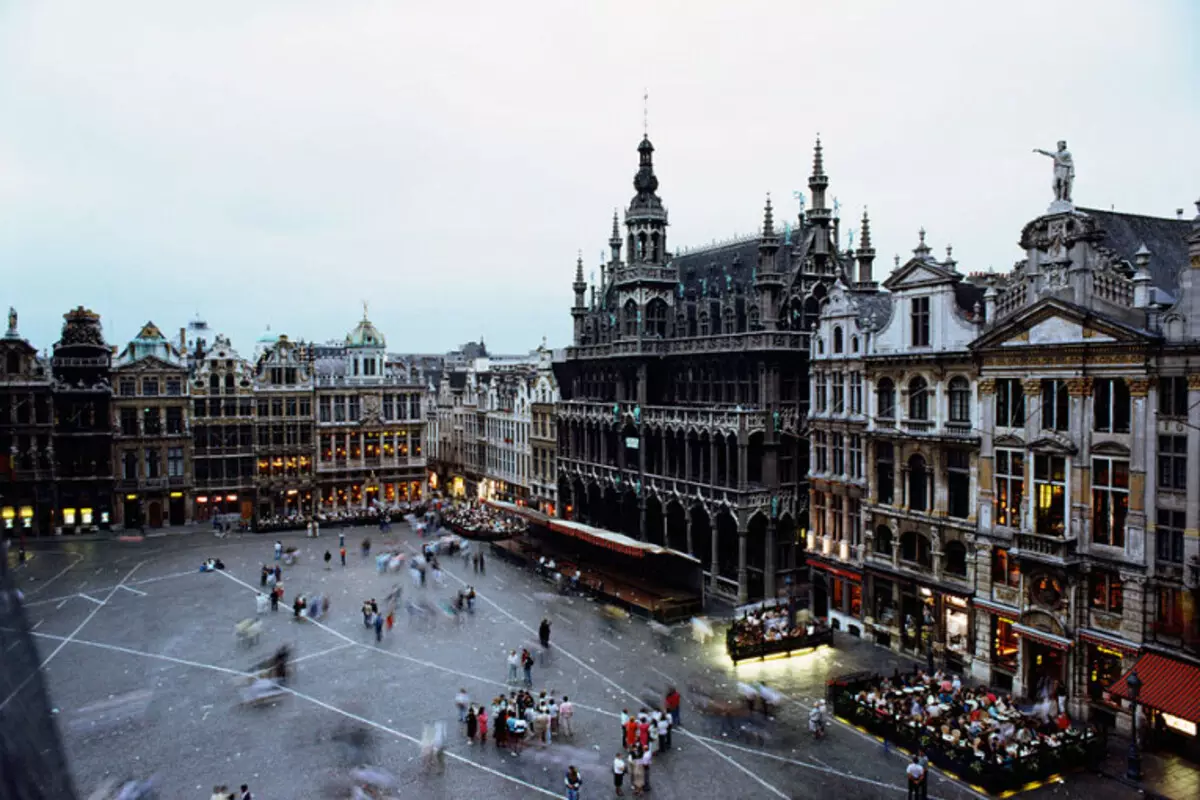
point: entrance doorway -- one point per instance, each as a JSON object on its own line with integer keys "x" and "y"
{"x": 133, "y": 514}
{"x": 177, "y": 514}
{"x": 155, "y": 514}
{"x": 820, "y": 594}
{"x": 1045, "y": 667}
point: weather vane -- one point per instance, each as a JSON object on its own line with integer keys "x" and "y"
{"x": 646, "y": 113}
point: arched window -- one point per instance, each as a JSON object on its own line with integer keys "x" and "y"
{"x": 656, "y": 318}
{"x": 214, "y": 383}
{"x": 918, "y": 399}
{"x": 883, "y": 540}
{"x": 914, "y": 548}
{"x": 960, "y": 400}
{"x": 853, "y": 344}
{"x": 820, "y": 346}
{"x": 885, "y": 395}
{"x": 956, "y": 558}
{"x": 630, "y": 315}
{"x": 753, "y": 315}
{"x": 837, "y": 338}
{"x": 918, "y": 483}
{"x": 641, "y": 246}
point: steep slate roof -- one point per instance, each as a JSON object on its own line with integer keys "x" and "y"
{"x": 874, "y": 309}
{"x": 1166, "y": 239}
{"x": 967, "y": 294}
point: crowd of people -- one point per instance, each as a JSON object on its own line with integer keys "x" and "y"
{"x": 480, "y": 519}
{"x": 773, "y": 624}
{"x": 970, "y": 723}
{"x": 643, "y": 736}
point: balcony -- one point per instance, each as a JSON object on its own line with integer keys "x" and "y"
{"x": 1047, "y": 549}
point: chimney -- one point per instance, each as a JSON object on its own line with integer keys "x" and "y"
{"x": 1141, "y": 279}
{"x": 183, "y": 340}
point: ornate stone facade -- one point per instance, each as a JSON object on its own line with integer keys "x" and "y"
{"x": 283, "y": 431}
{"x": 27, "y": 503}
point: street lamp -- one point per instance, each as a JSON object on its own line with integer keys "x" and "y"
{"x": 1134, "y": 770}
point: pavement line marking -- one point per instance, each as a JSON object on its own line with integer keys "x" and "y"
{"x": 526, "y": 596}
{"x": 63, "y": 603}
{"x": 67, "y": 640}
{"x": 131, "y": 589}
{"x": 308, "y": 698}
{"x": 567, "y": 620}
{"x": 774, "y": 790}
{"x": 610, "y": 644}
{"x": 99, "y": 602}
{"x": 106, "y": 588}
{"x": 320, "y": 653}
{"x": 64, "y": 571}
{"x": 665, "y": 675}
{"x": 37, "y": 625}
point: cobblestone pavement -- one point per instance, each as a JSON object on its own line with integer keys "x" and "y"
{"x": 136, "y": 622}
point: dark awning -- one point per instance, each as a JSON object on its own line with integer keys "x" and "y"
{"x": 1168, "y": 685}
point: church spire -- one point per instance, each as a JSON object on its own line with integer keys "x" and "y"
{"x": 768, "y": 230}
{"x": 580, "y": 308}
{"x": 866, "y": 254}
{"x": 614, "y": 239}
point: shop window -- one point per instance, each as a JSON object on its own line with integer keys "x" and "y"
{"x": 1010, "y": 487}
{"x": 1005, "y": 644}
{"x": 1111, "y": 405}
{"x": 1110, "y": 500}
{"x": 1106, "y": 592}
{"x": 1005, "y": 569}
{"x": 1010, "y": 403}
{"x": 855, "y": 600}
{"x": 1168, "y": 536}
{"x": 1104, "y": 668}
{"x": 1056, "y": 406}
{"x": 1173, "y": 396}
{"x": 1172, "y": 463}
{"x": 958, "y": 483}
{"x": 956, "y": 558}
{"x": 957, "y": 623}
{"x": 885, "y": 396}
{"x": 1050, "y": 490}
{"x": 883, "y": 540}
{"x": 885, "y": 606}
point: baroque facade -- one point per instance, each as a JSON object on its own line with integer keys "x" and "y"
{"x": 283, "y": 438}
{"x": 152, "y": 447}
{"x": 684, "y": 392}
{"x": 223, "y": 422}
{"x": 1026, "y": 512}
{"x": 27, "y": 506}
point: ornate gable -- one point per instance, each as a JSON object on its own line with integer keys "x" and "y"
{"x": 919, "y": 272}
{"x": 1056, "y": 322}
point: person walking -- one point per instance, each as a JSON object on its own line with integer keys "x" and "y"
{"x": 923, "y": 760}
{"x": 671, "y": 704}
{"x": 245, "y": 795}
{"x": 278, "y": 573}
{"x": 262, "y": 581}
{"x": 639, "y": 772}
{"x": 328, "y": 558}
{"x": 308, "y": 530}
{"x": 514, "y": 664}
{"x": 275, "y": 593}
{"x": 342, "y": 552}
{"x": 472, "y": 725}
{"x": 619, "y": 765}
{"x": 527, "y": 664}
{"x": 462, "y": 701}
{"x": 573, "y": 782}
{"x": 341, "y": 539}
{"x": 646, "y": 759}
{"x": 566, "y": 710}
{"x": 378, "y": 620}
{"x": 482, "y": 719}
{"x": 544, "y": 633}
{"x": 278, "y": 550}
{"x": 482, "y": 571}
{"x": 916, "y": 776}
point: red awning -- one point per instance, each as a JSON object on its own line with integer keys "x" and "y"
{"x": 1107, "y": 640}
{"x": 1170, "y": 686}
{"x": 832, "y": 570}
{"x": 598, "y": 537}
{"x": 1043, "y": 637}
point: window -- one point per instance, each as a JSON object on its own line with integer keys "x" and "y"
{"x": 1111, "y": 405}
{"x": 174, "y": 387}
{"x": 1010, "y": 487}
{"x": 305, "y": 407}
{"x": 129, "y": 422}
{"x": 151, "y": 422}
{"x": 1050, "y": 492}
{"x": 1056, "y": 406}
{"x": 153, "y": 465}
{"x": 1006, "y": 571}
{"x": 885, "y": 472}
{"x": 836, "y": 516}
{"x": 854, "y": 514}
{"x": 918, "y": 483}
{"x": 1110, "y": 500}
{"x": 129, "y": 465}
{"x": 277, "y": 407}
{"x": 822, "y": 392}
{"x": 839, "y": 453}
{"x": 175, "y": 462}
{"x": 1106, "y": 593}
{"x": 856, "y": 393}
{"x": 175, "y": 420}
{"x": 960, "y": 400}
{"x": 883, "y": 540}
{"x": 1173, "y": 396}
{"x": 820, "y": 453}
{"x": 837, "y": 339}
{"x": 914, "y": 548}
{"x": 856, "y": 463}
{"x": 323, "y": 406}
{"x": 1168, "y": 617}
{"x": 918, "y": 399}
{"x": 128, "y": 386}
{"x": 1010, "y": 403}
{"x": 885, "y": 395}
{"x": 198, "y": 408}
{"x": 1172, "y": 462}
{"x": 389, "y": 406}
{"x": 839, "y": 393}
{"x": 1168, "y": 536}
{"x": 818, "y": 513}
{"x": 290, "y": 407}
{"x": 245, "y": 407}
{"x": 339, "y": 408}
{"x": 956, "y": 558}
{"x": 920, "y": 322}
{"x": 958, "y": 483}
{"x": 150, "y": 387}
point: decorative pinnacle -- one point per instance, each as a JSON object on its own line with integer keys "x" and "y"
{"x": 865, "y": 243}
{"x": 579, "y": 268}
{"x": 768, "y": 219}
{"x": 616, "y": 232}
{"x": 896, "y": 258}
{"x": 818, "y": 160}
{"x": 921, "y": 233}
{"x": 949, "y": 252}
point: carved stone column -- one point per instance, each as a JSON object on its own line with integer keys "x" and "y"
{"x": 1080, "y": 390}
{"x": 1032, "y": 388}
{"x": 1193, "y": 457}
{"x": 742, "y": 574}
{"x": 986, "y": 424}
{"x": 1135, "y": 538}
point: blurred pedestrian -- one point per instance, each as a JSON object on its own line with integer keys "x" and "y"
{"x": 328, "y": 558}
{"x": 378, "y": 621}
{"x": 342, "y": 551}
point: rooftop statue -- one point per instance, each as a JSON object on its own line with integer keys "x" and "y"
{"x": 1064, "y": 171}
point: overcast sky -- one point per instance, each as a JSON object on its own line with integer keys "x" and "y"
{"x": 280, "y": 162}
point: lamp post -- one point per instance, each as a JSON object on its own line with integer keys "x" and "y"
{"x": 1134, "y": 770}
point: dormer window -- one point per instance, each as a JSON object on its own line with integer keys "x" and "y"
{"x": 920, "y": 321}
{"x": 837, "y": 339}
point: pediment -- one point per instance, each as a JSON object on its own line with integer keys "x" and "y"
{"x": 1008, "y": 440}
{"x": 149, "y": 364}
{"x": 918, "y": 273}
{"x": 1053, "y": 322}
{"x": 1053, "y": 442}
{"x": 1110, "y": 449}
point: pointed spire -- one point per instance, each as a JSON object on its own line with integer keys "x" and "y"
{"x": 579, "y": 268}
{"x": 818, "y": 160}
{"x": 921, "y": 250}
{"x": 865, "y": 243}
{"x": 616, "y": 228}
{"x": 768, "y": 219}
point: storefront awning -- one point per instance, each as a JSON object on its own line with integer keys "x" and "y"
{"x": 1009, "y": 612}
{"x": 617, "y": 542}
{"x": 1108, "y": 640}
{"x": 1043, "y": 637}
{"x": 1168, "y": 685}
{"x": 846, "y": 574}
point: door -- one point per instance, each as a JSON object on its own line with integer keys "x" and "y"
{"x": 177, "y": 514}
{"x": 133, "y": 514}
{"x": 155, "y": 514}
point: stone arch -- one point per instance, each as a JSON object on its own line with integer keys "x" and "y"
{"x": 756, "y": 552}
{"x": 630, "y": 521}
{"x": 726, "y": 531}
{"x": 702, "y": 533}
{"x": 654, "y": 533}
{"x": 676, "y": 524}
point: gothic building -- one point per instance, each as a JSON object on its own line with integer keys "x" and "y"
{"x": 152, "y": 435}
{"x": 283, "y": 425}
{"x": 83, "y": 431}
{"x": 223, "y": 423}
{"x": 26, "y": 430}
{"x": 370, "y": 426}
{"x": 684, "y": 391}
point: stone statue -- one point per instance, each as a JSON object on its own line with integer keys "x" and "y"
{"x": 12, "y": 321}
{"x": 1064, "y": 171}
